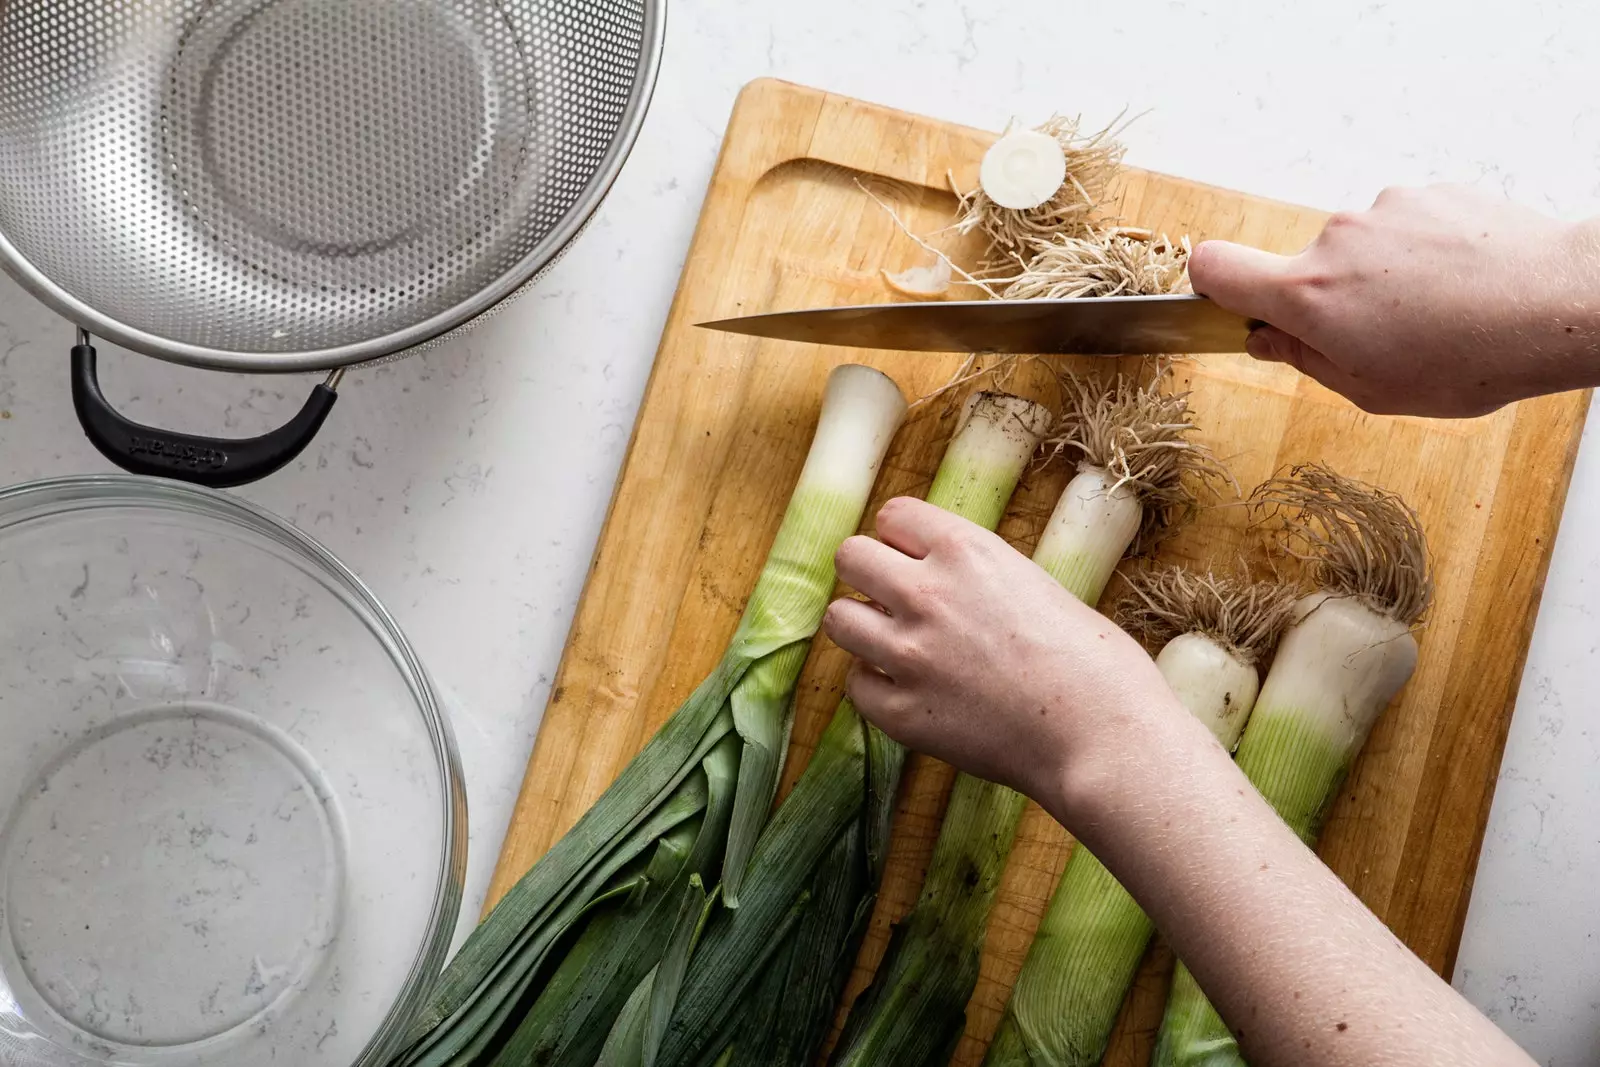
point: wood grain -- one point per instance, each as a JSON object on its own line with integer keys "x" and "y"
{"x": 724, "y": 427}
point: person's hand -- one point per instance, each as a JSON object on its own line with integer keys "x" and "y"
{"x": 1440, "y": 301}
{"x": 973, "y": 654}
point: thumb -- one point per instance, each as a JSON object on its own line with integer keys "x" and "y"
{"x": 1242, "y": 279}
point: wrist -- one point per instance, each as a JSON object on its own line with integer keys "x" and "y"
{"x": 1128, "y": 768}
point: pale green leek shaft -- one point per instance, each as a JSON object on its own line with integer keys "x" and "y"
{"x": 915, "y": 1010}
{"x": 1087, "y": 949}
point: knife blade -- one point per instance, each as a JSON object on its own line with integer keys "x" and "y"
{"x": 1103, "y": 325}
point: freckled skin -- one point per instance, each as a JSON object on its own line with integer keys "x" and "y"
{"x": 1443, "y": 301}
{"x": 971, "y": 653}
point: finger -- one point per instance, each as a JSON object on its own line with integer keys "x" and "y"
{"x": 1242, "y": 279}
{"x": 875, "y": 696}
{"x": 882, "y": 573}
{"x": 1274, "y": 345}
{"x": 862, "y": 630}
{"x": 914, "y": 526}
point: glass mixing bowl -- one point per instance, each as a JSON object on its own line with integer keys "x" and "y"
{"x": 232, "y": 825}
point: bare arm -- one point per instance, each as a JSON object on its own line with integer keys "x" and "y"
{"x": 1033, "y": 689}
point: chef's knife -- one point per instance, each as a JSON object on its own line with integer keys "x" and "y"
{"x": 1102, "y": 325}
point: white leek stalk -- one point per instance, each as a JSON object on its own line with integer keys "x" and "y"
{"x": 1339, "y": 665}
{"x": 1090, "y": 529}
{"x": 546, "y": 974}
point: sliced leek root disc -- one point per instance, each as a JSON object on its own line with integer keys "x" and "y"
{"x": 1023, "y": 169}
{"x": 926, "y": 282}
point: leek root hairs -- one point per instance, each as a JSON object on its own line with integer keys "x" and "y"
{"x": 1141, "y": 437}
{"x": 1092, "y": 161}
{"x": 1242, "y": 616}
{"x": 1356, "y": 539}
{"x": 1103, "y": 261}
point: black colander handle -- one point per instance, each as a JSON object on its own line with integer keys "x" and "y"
{"x": 217, "y": 462}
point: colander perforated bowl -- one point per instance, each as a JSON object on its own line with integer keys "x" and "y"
{"x": 278, "y": 185}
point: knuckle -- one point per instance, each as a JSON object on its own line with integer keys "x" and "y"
{"x": 1397, "y": 194}
{"x": 1304, "y": 293}
{"x": 964, "y": 545}
{"x": 909, "y": 651}
{"x": 895, "y": 505}
{"x": 931, "y": 594}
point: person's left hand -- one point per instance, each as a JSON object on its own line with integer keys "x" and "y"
{"x": 973, "y": 654}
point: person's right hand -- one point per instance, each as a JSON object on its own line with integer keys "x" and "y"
{"x": 1440, "y": 301}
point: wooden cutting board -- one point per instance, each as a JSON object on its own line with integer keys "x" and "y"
{"x": 724, "y": 428}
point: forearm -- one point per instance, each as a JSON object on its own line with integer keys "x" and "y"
{"x": 1297, "y": 966}
{"x": 1559, "y": 325}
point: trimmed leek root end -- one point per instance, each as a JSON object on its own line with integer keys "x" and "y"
{"x": 861, "y": 410}
{"x": 1023, "y": 169}
{"x": 996, "y": 436}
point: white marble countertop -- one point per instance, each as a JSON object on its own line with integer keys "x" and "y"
{"x": 468, "y": 486}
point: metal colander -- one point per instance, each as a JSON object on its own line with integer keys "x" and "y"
{"x": 302, "y": 184}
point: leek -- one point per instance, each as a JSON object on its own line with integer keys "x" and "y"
{"x": 1136, "y": 453}
{"x": 1344, "y": 658}
{"x": 1212, "y": 632}
{"x": 558, "y": 959}
{"x": 762, "y": 987}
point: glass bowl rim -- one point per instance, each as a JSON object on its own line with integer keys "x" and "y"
{"x": 50, "y": 497}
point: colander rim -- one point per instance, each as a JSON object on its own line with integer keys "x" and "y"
{"x": 504, "y": 287}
